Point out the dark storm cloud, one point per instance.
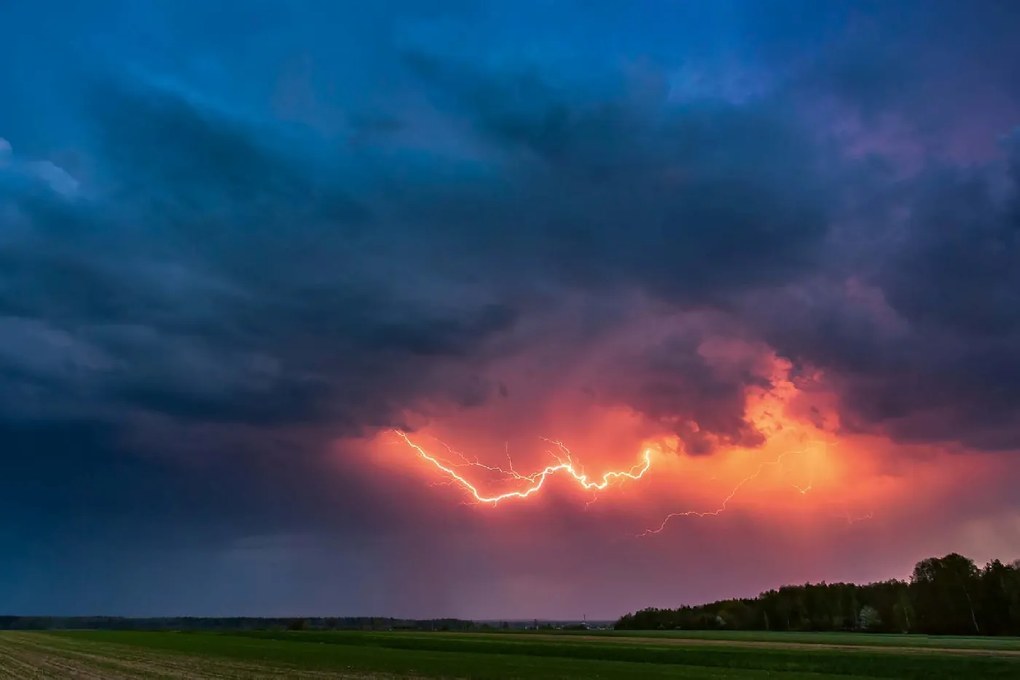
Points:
(701, 400)
(302, 288)
(955, 278)
(303, 265)
(217, 279)
(683, 199)
(919, 336)
(957, 269)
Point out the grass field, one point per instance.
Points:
(116, 655)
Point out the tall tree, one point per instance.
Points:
(944, 590)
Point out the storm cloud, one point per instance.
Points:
(246, 237)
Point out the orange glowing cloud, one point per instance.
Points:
(805, 474)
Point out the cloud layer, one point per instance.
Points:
(235, 251)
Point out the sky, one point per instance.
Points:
(502, 310)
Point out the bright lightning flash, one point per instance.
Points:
(778, 462)
(565, 464)
(531, 484)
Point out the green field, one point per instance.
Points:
(116, 654)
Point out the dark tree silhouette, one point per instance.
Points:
(945, 595)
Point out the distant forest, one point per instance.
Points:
(945, 596)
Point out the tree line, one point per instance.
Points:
(944, 596)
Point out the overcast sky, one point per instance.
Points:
(241, 243)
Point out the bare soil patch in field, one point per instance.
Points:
(37, 656)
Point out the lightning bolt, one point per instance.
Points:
(852, 519)
(803, 490)
(475, 462)
(452, 473)
(565, 464)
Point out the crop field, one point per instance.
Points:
(116, 655)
